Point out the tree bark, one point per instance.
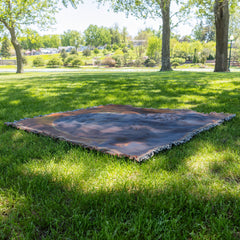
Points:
(165, 8)
(221, 12)
(17, 48)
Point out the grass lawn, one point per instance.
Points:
(53, 190)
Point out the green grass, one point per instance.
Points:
(52, 190)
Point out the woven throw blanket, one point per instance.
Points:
(125, 131)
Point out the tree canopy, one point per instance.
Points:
(71, 38)
(97, 36)
(5, 49)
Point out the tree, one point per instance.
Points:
(97, 36)
(165, 9)
(16, 15)
(5, 49)
(205, 32)
(115, 35)
(72, 38)
(144, 9)
(144, 35)
(51, 41)
(221, 10)
(31, 41)
(124, 35)
(154, 48)
(234, 25)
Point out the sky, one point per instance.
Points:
(88, 13)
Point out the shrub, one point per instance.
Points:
(131, 46)
(130, 63)
(68, 60)
(109, 61)
(115, 46)
(63, 54)
(118, 52)
(203, 59)
(38, 62)
(74, 51)
(138, 62)
(178, 60)
(125, 50)
(76, 62)
(119, 60)
(97, 62)
(150, 62)
(96, 50)
(126, 59)
(175, 64)
(105, 52)
(109, 48)
(86, 52)
(54, 62)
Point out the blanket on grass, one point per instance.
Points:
(122, 130)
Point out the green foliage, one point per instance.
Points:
(68, 60)
(63, 54)
(145, 35)
(118, 52)
(126, 59)
(115, 35)
(74, 51)
(154, 48)
(38, 62)
(192, 50)
(115, 47)
(86, 52)
(175, 64)
(77, 62)
(71, 38)
(109, 47)
(96, 50)
(97, 62)
(97, 36)
(105, 51)
(51, 41)
(150, 62)
(178, 60)
(205, 33)
(17, 14)
(125, 50)
(54, 62)
(119, 60)
(5, 49)
(234, 25)
(109, 62)
(73, 61)
(31, 40)
(138, 62)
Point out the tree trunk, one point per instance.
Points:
(221, 12)
(17, 48)
(165, 8)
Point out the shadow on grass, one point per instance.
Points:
(110, 198)
(42, 206)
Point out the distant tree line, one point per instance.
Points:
(93, 36)
(17, 15)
